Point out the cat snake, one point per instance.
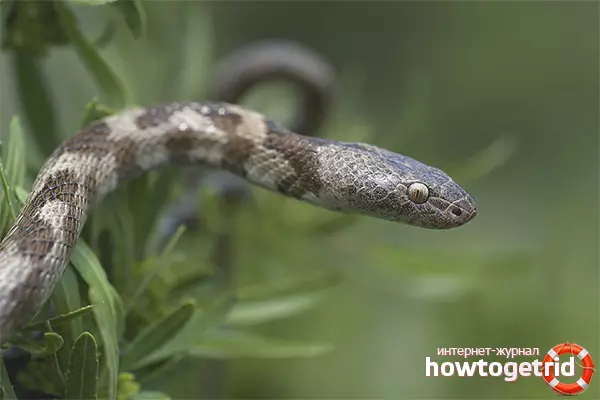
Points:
(348, 177)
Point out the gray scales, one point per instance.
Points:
(347, 177)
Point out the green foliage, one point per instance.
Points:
(133, 14)
(154, 307)
(207, 329)
(108, 311)
(47, 346)
(15, 172)
(108, 82)
(82, 375)
(152, 337)
(142, 312)
(224, 344)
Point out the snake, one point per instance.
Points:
(355, 178)
(233, 77)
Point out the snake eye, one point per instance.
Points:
(418, 193)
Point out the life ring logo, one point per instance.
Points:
(551, 363)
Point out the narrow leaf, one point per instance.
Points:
(108, 308)
(110, 342)
(36, 96)
(237, 344)
(87, 265)
(134, 15)
(258, 312)
(279, 299)
(50, 344)
(158, 264)
(154, 336)
(7, 193)
(95, 111)
(62, 319)
(65, 298)
(151, 373)
(104, 76)
(15, 158)
(82, 375)
(92, 2)
(313, 282)
(487, 160)
(189, 334)
(21, 195)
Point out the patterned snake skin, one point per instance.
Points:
(349, 177)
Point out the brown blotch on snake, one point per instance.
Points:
(88, 142)
(350, 177)
(301, 154)
(238, 148)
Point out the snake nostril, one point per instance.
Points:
(456, 211)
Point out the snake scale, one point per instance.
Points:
(348, 177)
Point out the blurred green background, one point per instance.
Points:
(501, 95)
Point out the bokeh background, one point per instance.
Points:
(501, 95)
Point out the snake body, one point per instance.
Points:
(349, 177)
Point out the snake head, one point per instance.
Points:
(368, 180)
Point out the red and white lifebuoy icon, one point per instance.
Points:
(568, 388)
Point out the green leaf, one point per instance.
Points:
(105, 78)
(87, 265)
(21, 194)
(110, 343)
(151, 373)
(237, 344)
(157, 264)
(258, 312)
(112, 225)
(36, 98)
(487, 160)
(6, 390)
(15, 158)
(152, 338)
(92, 2)
(134, 15)
(318, 281)
(61, 319)
(106, 36)
(82, 375)
(95, 111)
(188, 284)
(151, 395)
(190, 333)
(65, 298)
(197, 53)
(274, 300)
(108, 308)
(50, 344)
(10, 209)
